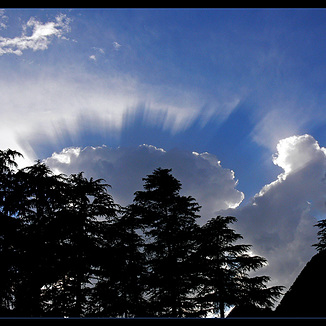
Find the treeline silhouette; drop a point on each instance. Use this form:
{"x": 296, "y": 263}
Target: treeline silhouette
{"x": 67, "y": 249}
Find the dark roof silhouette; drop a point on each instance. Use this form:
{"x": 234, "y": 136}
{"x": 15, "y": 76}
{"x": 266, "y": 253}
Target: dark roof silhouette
{"x": 250, "y": 312}
{"x": 305, "y": 298}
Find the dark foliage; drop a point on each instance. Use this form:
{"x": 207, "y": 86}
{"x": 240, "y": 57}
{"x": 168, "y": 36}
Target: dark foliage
{"x": 225, "y": 271}
{"x": 168, "y": 221}
{"x": 67, "y": 249}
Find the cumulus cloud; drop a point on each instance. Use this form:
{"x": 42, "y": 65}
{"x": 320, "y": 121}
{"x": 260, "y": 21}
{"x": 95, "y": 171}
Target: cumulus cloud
{"x": 201, "y": 175}
{"x": 294, "y": 153}
{"x": 279, "y": 220}
{"x": 40, "y": 38}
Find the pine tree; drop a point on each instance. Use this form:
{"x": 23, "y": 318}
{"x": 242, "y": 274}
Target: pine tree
{"x": 62, "y": 222}
{"x": 169, "y": 227}
{"x": 82, "y": 222}
{"x": 119, "y": 290}
{"x": 67, "y": 249}
{"x": 9, "y": 226}
{"x": 321, "y": 245}
{"x": 225, "y": 270}
{"x": 36, "y": 201}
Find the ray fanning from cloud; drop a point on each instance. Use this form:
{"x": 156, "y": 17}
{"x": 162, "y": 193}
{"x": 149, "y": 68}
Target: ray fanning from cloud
{"x": 50, "y": 106}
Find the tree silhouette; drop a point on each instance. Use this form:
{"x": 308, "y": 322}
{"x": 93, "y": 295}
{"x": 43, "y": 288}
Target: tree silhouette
{"x": 59, "y": 224}
{"x": 86, "y": 213}
{"x": 67, "y": 249}
{"x": 36, "y": 200}
{"x": 168, "y": 221}
{"x": 119, "y": 290}
{"x": 9, "y": 227}
{"x": 321, "y": 245}
{"x": 225, "y": 270}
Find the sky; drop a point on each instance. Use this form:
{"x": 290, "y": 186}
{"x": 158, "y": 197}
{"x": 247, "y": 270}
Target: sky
{"x": 233, "y": 100}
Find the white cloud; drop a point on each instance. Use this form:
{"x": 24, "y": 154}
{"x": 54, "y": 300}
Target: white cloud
{"x": 294, "y": 153}
{"x": 116, "y": 45}
{"x": 201, "y": 175}
{"x": 65, "y": 156}
{"x": 40, "y": 38}
{"x": 92, "y": 57}
{"x": 279, "y": 220}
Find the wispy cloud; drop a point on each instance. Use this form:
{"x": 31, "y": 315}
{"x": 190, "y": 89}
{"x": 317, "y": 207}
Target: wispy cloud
{"x": 281, "y": 120}
{"x": 40, "y": 37}
{"x": 116, "y": 45}
{"x": 3, "y": 19}
{"x": 99, "y": 51}
{"x": 52, "y": 106}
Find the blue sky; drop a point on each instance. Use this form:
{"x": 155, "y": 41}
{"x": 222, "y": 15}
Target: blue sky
{"x": 230, "y": 82}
